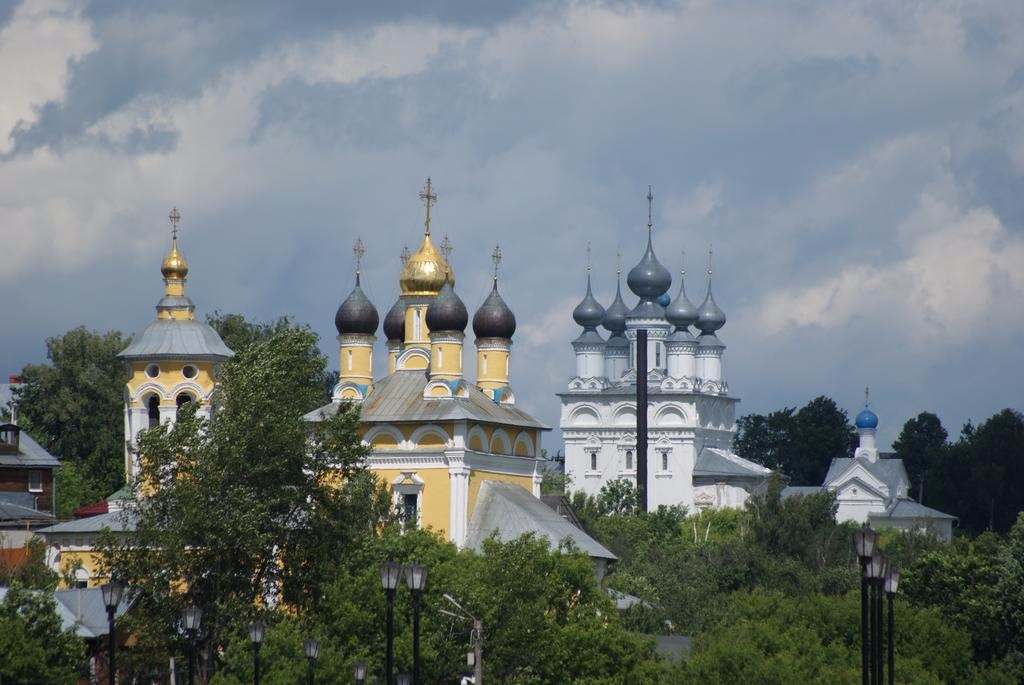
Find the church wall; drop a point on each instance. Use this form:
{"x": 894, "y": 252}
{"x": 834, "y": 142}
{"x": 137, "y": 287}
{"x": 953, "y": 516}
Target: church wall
{"x": 170, "y": 377}
{"x": 435, "y": 502}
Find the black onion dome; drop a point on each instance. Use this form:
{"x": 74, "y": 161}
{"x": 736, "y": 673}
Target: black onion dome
{"x": 394, "y": 321}
{"x": 649, "y": 278}
{"x": 615, "y": 315}
{"x": 446, "y": 311}
{"x": 681, "y": 313}
{"x": 710, "y": 317}
{"x": 356, "y": 314}
{"x": 494, "y": 319}
{"x": 588, "y": 313}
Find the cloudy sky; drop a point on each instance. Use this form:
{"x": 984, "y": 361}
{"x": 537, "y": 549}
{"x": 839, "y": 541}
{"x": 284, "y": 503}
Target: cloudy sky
{"x": 857, "y": 166}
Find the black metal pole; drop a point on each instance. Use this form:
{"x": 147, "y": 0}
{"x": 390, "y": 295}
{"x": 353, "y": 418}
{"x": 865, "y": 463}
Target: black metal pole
{"x": 191, "y": 660}
{"x": 311, "y": 667}
{"x": 256, "y": 663}
{"x": 892, "y": 640}
{"x": 641, "y": 416}
{"x": 864, "y": 669}
{"x": 389, "y": 662}
{"x": 877, "y": 608}
{"x": 416, "y": 637}
{"x": 112, "y": 646}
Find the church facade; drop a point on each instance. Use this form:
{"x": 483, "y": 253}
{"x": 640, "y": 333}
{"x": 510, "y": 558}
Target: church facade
{"x": 691, "y": 415}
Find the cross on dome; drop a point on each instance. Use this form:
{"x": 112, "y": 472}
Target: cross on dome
{"x": 429, "y": 198}
{"x": 358, "y": 251}
{"x": 650, "y": 206}
{"x": 588, "y": 256}
{"x": 618, "y": 262}
{"x": 175, "y": 217}
{"x": 496, "y": 258}
{"x": 404, "y": 256}
{"x": 446, "y": 246}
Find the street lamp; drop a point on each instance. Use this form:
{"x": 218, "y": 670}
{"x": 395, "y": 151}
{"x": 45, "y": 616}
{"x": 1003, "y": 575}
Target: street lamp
{"x": 312, "y": 653}
{"x": 404, "y": 679}
{"x": 877, "y": 568}
{"x": 416, "y": 576}
{"x": 892, "y": 581}
{"x": 360, "y": 672}
{"x": 111, "y": 598}
{"x": 864, "y": 540}
{"x": 390, "y": 574}
{"x": 256, "y": 630}
{"x": 191, "y": 619}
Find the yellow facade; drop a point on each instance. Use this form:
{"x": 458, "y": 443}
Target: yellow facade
{"x": 446, "y": 356}
{"x": 492, "y": 366}
{"x": 416, "y": 331}
{"x": 435, "y": 506}
{"x": 170, "y": 375}
{"x": 355, "y": 358}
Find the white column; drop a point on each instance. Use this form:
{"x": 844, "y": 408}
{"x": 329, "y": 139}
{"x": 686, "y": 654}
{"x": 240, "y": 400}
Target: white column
{"x": 458, "y": 475}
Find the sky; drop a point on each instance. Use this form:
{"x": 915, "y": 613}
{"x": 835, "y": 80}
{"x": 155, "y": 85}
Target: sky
{"x": 858, "y": 168}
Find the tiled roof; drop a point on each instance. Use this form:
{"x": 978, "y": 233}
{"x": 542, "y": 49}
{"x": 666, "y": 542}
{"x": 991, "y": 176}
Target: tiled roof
{"x": 399, "y": 398}
{"x": 908, "y": 508}
{"x": 509, "y": 510}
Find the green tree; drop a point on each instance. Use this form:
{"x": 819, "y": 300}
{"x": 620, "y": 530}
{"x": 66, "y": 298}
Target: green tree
{"x": 922, "y": 445}
{"x": 74, "y": 406}
{"x": 34, "y": 647}
{"x": 798, "y": 442}
{"x": 253, "y": 503}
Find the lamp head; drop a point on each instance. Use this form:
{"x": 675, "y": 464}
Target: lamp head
{"x": 256, "y": 630}
{"x": 892, "y": 579}
{"x": 404, "y": 679}
{"x": 390, "y": 574}
{"x": 360, "y": 671}
{"x": 312, "y": 646}
{"x": 112, "y": 594}
{"x": 864, "y": 541}
{"x": 416, "y": 576}
{"x": 191, "y": 618}
{"x": 877, "y": 566}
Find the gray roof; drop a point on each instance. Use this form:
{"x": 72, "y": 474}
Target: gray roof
{"x": 792, "y": 490}
{"x": 83, "y": 610}
{"x": 889, "y": 471}
{"x": 510, "y": 511}
{"x": 20, "y": 506}
{"x": 177, "y": 339}
{"x": 117, "y": 521}
{"x": 718, "y": 462}
{"x": 30, "y": 454}
{"x": 905, "y": 508}
{"x": 399, "y": 398}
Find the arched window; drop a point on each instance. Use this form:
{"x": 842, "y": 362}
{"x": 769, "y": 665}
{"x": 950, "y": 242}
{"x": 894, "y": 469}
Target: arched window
{"x": 349, "y": 359}
{"x": 664, "y": 461}
{"x": 183, "y": 399}
{"x": 657, "y": 355}
{"x": 153, "y": 405}
{"x": 593, "y": 461}
{"x": 440, "y": 357}
{"x": 484, "y": 370}
{"x": 416, "y": 329}
{"x": 629, "y": 460}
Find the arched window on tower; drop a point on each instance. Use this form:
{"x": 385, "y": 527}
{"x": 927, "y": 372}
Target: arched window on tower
{"x": 593, "y": 461}
{"x": 153, "y": 406}
{"x": 183, "y": 399}
{"x": 629, "y": 460}
{"x": 416, "y": 329}
{"x": 484, "y": 370}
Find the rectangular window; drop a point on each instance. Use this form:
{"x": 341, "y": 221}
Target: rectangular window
{"x": 349, "y": 359}
{"x": 485, "y": 362}
{"x": 657, "y": 355}
{"x": 416, "y": 331}
{"x": 35, "y": 481}
{"x": 664, "y": 461}
{"x": 629, "y": 460}
{"x": 409, "y": 508}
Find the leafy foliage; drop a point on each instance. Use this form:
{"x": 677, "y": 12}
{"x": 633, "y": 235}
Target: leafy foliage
{"x": 34, "y": 648}
{"x": 922, "y": 446}
{"x": 74, "y": 407}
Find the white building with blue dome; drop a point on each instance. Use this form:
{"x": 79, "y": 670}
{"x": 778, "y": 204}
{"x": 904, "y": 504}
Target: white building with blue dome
{"x": 691, "y": 415}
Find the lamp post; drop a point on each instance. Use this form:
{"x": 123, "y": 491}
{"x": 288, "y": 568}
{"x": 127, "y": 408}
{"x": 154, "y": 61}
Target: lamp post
{"x": 404, "y": 679}
{"x": 256, "y": 630}
{"x": 312, "y": 653}
{"x": 416, "y": 576}
{"x": 360, "y": 672}
{"x": 111, "y": 598}
{"x": 864, "y": 540}
{"x": 892, "y": 581}
{"x": 390, "y": 574}
{"x": 191, "y": 619}
{"x": 877, "y": 567}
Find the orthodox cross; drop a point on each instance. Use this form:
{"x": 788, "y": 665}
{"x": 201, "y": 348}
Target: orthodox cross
{"x": 429, "y": 197}
{"x": 683, "y": 270}
{"x": 588, "y": 257}
{"x": 405, "y": 255}
{"x": 496, "y": 258}
{"x": 865, "y": 395}
{"x": 358, "y": 251}
{"x": 618, "y": 262}
{"x": 650, "y": 204}
{"x": 711, "y": 257}
{"x": 175, "y": 217}
{"x": 446, "y": 246}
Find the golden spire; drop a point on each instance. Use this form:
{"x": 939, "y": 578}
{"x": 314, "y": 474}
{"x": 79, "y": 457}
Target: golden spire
{"x": 174, "y": 266}
{"x": 425, "y": 271}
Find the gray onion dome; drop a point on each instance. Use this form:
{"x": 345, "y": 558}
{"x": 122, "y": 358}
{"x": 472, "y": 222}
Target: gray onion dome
{"x": 394, "y": 321}
{"x": 447, "y": 312}
{"x": 615, "y": 315}
{"x": 356, "y": 315}
{"x": 494, "y": 319}
{"x": 709, "y": 316}
{"x": 681, "y": 313}
{"x": 649, "y": 278}
{"x": 588, "y": 313}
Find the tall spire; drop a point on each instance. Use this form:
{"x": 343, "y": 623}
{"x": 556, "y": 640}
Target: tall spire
{"x": 867, "y": 396}
{"x": 358, "y": 251}
{"x": 650, "y": 207}
{"x": 649, "y": 279}
{"x": 429, "y": 197}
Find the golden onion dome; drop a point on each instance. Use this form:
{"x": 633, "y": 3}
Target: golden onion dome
{"x": 424, "y": 272}
{"x": 174, "y": 265}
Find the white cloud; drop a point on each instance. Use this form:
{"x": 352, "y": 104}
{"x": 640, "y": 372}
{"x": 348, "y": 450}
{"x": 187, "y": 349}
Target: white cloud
{"x": 36, "y": 47}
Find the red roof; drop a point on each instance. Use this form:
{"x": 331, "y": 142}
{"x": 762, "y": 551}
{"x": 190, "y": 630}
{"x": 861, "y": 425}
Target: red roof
{"x": 93, "y": 509}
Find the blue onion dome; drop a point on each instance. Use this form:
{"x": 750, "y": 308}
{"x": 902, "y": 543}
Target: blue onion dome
{"x": 866, "y": 419}
{"x": 446, "y": 311}
{"x": 710, "y": 316}
{"x": 588, "y": 313}
{"x": 664, "y": 299}
{"x": 394, "y": 321}
{"x": 615, "y": 315}
{"x": 494, "y": 319}
{"x": 356, "y": 314}
{"x": 681, "y": 313}
{"x": 649, "y": 279}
